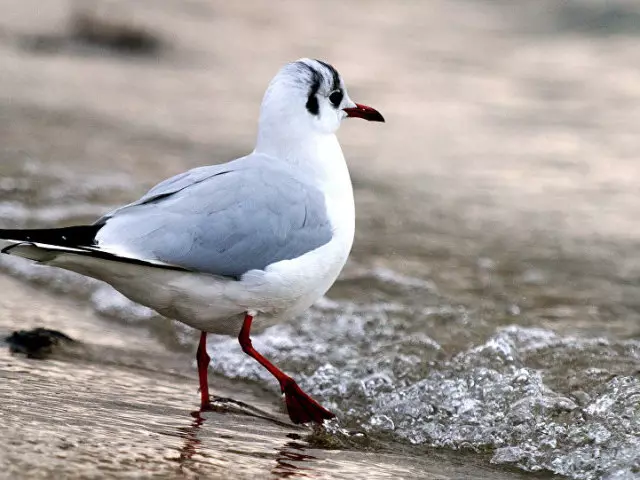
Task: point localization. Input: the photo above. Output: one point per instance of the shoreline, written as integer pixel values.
(78, 414)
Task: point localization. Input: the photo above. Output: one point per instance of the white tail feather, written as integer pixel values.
(41, 252)
(35, 251)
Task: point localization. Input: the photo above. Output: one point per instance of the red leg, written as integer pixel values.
(203, 360)
(301, 407)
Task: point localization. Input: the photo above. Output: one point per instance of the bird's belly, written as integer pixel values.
(218, 304)
(295, 284)
(280, 292)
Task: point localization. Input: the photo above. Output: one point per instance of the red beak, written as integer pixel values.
(362, 111)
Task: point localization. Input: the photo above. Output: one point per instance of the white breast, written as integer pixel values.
(289, 287)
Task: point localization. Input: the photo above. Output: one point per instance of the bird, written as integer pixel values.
(261, 237)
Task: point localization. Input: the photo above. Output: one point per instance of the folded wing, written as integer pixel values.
(223, 220)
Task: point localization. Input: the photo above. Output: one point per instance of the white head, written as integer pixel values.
(307, 97)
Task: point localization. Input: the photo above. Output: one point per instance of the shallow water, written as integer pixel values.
(489, 308)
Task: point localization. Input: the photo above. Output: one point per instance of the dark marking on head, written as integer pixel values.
(316, 80)
(335, 85)
(312, 100)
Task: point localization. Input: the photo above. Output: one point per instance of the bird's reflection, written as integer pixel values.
(191, 441)
(292, 452)
(288, 457)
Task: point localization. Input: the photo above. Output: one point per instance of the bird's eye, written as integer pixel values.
(336, 97)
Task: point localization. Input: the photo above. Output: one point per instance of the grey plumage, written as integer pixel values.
(223, 220)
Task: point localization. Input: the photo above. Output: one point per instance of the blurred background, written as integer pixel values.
(491, 301)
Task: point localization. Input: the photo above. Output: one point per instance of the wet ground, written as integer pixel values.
(486, 323)
(119, 403)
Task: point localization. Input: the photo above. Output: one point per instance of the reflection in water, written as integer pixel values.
(191, 440)
(287, 456)
(291, 452)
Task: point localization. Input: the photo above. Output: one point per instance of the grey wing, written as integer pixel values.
(232, 221)
(174, 184)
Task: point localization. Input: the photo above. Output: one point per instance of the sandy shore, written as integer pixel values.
(121, 405)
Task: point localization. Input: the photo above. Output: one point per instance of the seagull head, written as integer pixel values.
(310, 95)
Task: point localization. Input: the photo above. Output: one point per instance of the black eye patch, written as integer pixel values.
(336, 97)
(312, 100)
(312, 105)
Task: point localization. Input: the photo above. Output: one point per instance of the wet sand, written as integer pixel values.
(119, 404)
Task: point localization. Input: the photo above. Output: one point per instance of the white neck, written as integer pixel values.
(314, 153)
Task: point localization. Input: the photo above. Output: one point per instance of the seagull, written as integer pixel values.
(258, 238)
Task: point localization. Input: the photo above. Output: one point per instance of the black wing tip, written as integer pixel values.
(74, 236)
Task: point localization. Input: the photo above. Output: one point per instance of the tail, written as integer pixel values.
(45, 245)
